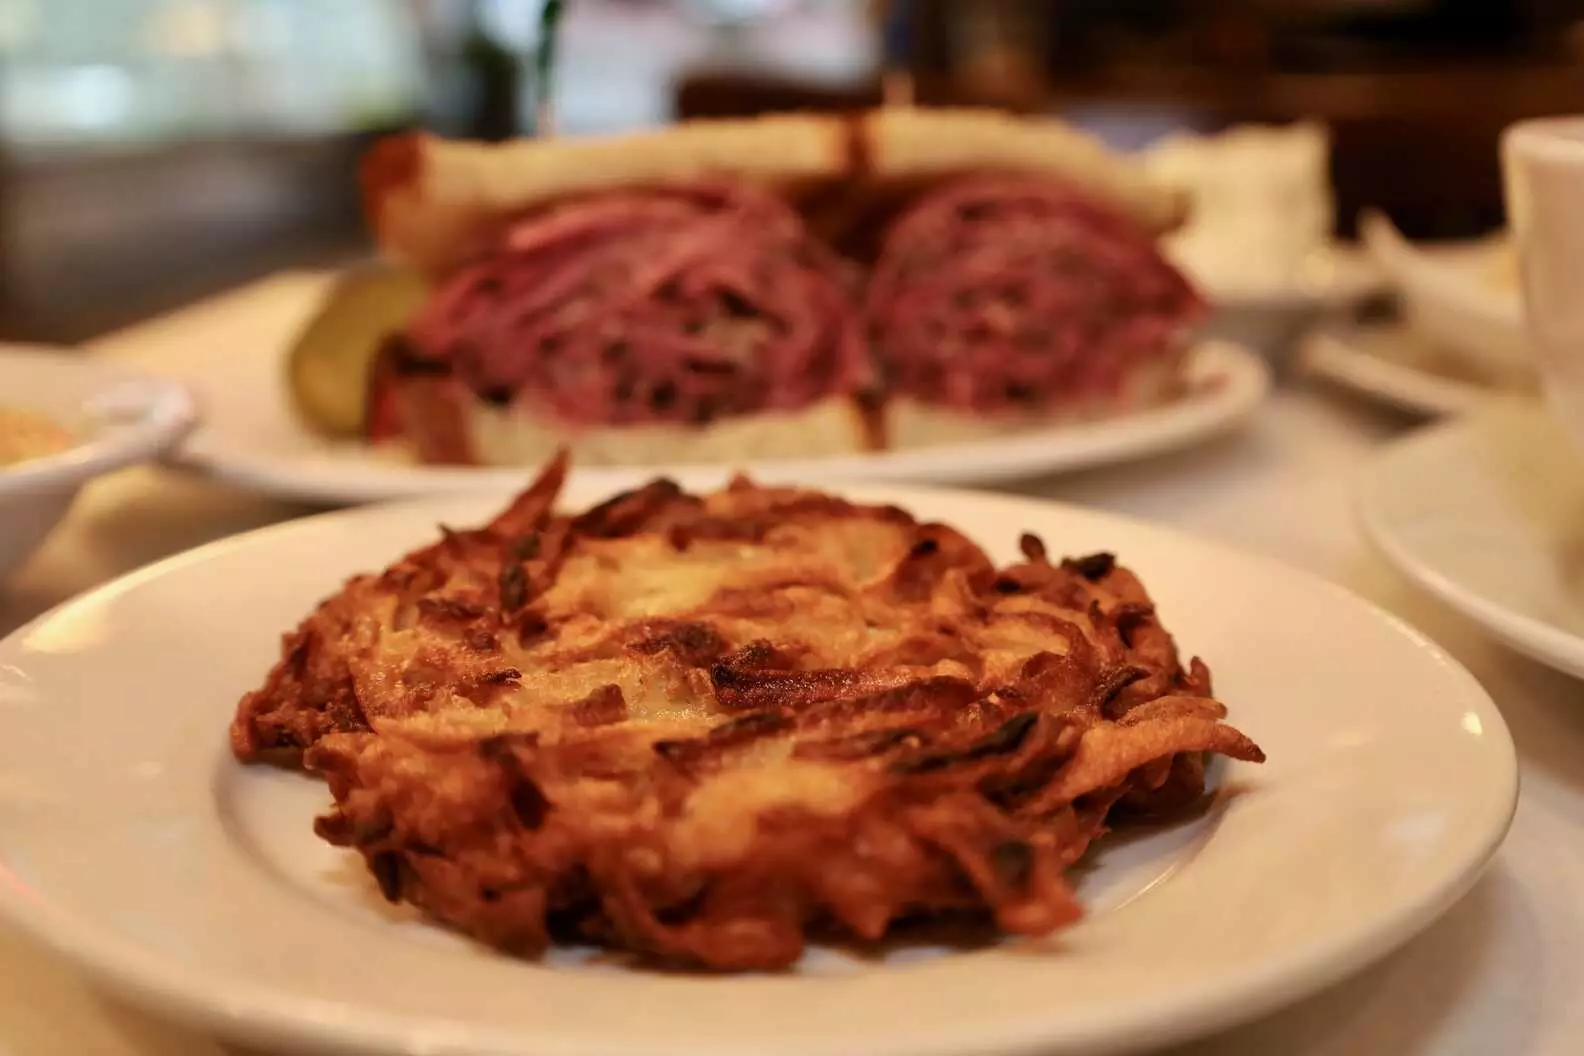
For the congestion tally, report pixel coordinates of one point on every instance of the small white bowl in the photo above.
(117, 417)
(1454, 295)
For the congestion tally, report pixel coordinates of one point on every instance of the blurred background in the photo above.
(153, 152)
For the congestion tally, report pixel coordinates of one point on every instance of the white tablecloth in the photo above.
(1501, 975)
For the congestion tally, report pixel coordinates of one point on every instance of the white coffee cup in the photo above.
(1543, 171)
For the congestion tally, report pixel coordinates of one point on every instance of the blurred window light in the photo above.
(100, 72)
(187, 29)
(62, 104)
(736, 12)
(18, 23)
(262, 29)
(95, 97)
(511, 23)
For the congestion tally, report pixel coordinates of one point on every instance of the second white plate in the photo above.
(252, 438)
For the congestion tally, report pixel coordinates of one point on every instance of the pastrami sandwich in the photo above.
(691, 295)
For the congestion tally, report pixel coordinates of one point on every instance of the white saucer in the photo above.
(252, 438)
(1487, 514)
(132, 842)
(1393, 365)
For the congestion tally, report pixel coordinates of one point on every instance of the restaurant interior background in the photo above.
(154, 151)
(1362, 476)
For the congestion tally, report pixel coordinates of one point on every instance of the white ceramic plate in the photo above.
(1395, 366)
(252, 438)
(133, 843)
(1487, 514)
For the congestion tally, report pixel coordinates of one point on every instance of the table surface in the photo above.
(1500, 973)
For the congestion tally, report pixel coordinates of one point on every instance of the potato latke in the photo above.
(702, 728)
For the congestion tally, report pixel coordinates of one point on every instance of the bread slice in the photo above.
(916, 144)
(511, 436)
(431, 201)
(516, 436)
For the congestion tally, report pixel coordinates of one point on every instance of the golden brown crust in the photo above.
(698, 728)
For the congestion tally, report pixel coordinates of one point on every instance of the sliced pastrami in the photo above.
(675, 304)
(1003, 292)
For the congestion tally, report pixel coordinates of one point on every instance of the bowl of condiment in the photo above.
(65, 419)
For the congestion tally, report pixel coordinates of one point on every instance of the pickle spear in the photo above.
(330, 359)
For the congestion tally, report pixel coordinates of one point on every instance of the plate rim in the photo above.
(1334, 356)
(261, 1012)
(1546, 643)
(1246, 383)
